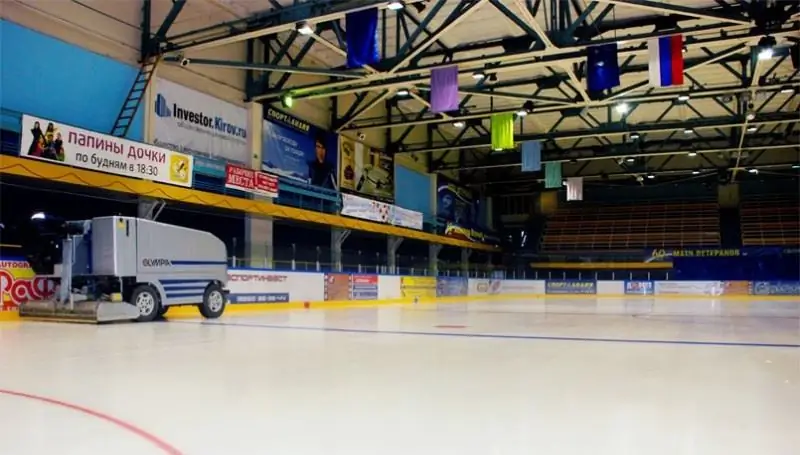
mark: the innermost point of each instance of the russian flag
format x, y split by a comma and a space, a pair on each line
666, 61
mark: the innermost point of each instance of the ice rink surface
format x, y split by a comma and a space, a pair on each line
555, 376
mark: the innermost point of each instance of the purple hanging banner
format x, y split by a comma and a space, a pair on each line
444, 89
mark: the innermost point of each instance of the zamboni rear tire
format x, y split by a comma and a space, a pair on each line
213, 302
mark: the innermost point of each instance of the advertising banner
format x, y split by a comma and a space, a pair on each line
688, 288
455, 203
365, 209
639, 287
662, 254
775, 288
337, 286
363, 287
470, 235
418, 286
406, 218
211, 167
298, 150
18, 284
451, 286
484, 286
518, 287
62, 144
194, 123
570, 287
736, 288
267, 286
366, 170
251, 181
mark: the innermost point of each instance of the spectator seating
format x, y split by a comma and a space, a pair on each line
771, 221
633, 226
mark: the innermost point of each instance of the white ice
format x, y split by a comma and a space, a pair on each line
555, 376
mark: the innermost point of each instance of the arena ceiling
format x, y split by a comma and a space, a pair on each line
735, 114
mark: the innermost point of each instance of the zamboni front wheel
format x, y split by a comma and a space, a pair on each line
213, 302
145, 299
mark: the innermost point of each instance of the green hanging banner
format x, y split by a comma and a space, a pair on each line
503, 131
552, 175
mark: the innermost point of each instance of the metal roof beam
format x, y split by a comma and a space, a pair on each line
661, 7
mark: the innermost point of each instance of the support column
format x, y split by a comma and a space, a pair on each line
433, 258
392, 244
338, 236
259, 247
149, 209
465, 254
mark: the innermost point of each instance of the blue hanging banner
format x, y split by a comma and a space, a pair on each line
531, 156
362, 38
602, 67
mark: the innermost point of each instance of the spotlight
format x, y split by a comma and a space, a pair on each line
766, 47
402, 92
651, 176
394, 6
630, 159
635, 136
688, 131
753, 170
695, 172
787, 90
752, 129
683, 98
563, 183
287, 101
685, 49
304, 28
458, 124
622, 108
479, 75
796, 166
692, 154
751, 116
522, 113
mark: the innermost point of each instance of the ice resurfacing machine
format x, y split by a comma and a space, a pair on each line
122, 268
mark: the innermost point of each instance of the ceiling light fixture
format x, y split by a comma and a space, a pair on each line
688, 131
651, 176
402, 92
458, 124
304, 28
683, 98
751, 116
394, 6
752, 129
766, 47
622, 108
753, 170
635, 136
479, 75
692, 154
695, 172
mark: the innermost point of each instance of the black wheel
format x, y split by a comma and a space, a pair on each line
162, 310
213, 302
146, 300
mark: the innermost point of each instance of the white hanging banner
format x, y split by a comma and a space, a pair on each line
195, 123
365, 209
63, 144
575, 189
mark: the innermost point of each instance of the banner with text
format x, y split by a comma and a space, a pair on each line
451, 286
418, 286
455, 203
18, 284
192, 122
381, 212
63, 144
211, 167
775, 288
363, 287
470, 235
298, 150
366, 170
688, 288
639, 287
267, 286
406, 218
570, 287
251, 181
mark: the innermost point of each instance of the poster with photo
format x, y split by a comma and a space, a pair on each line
366, 170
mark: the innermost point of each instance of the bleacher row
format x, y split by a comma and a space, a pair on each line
694, 224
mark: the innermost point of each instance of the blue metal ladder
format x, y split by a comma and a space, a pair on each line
135, 96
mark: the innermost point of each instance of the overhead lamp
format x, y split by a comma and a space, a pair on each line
695, 172
683, 98
630, 159
692, 153
752, 129
458, 124
651, 176
635, 136
38, 216
751, 116
622, 108
287, 101
688, 131
394, 6
498, 149
402, 92
522, 113
685, 49
304, 28
753, 170
796, 166
766, 47
787, 90
479, 75
563, 183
